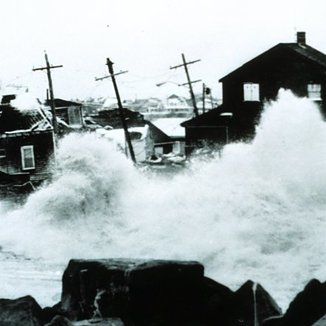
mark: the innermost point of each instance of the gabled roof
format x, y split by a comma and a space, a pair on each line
307, 52
181, 98
224, 115
171, 126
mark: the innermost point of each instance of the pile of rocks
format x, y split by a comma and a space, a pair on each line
120, 292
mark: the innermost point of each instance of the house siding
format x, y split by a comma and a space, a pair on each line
43, 146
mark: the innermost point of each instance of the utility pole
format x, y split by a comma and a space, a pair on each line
185, 65
48, 70
204, 92
109, 63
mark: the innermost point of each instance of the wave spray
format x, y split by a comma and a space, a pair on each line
257, 211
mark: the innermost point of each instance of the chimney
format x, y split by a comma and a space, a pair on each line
301, 38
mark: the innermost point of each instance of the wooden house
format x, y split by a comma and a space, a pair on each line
294, 66
70, 113
26, 142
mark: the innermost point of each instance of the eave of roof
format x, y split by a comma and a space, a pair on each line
58, 102
208, 118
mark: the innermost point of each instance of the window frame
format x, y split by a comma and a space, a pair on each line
254, 93
312, 91
23, 157
73, 113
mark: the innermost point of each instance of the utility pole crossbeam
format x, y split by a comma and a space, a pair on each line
109, 76
48, 70
185, 65
192, 82
109, 63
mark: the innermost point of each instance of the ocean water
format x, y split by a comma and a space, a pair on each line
255, 211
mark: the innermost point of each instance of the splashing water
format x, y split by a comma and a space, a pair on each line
257, 211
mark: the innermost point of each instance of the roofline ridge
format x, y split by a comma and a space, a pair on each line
287, 45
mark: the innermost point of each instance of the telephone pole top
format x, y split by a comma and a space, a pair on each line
112, 75
48, 70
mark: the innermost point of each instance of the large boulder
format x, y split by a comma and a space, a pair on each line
308, 306
251, 304
23, 311
216, 300
59, 321
136, 289
99, 322
273, 321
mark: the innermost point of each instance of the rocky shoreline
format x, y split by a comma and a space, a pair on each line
128, 292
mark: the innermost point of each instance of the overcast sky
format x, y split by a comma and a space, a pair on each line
145, 37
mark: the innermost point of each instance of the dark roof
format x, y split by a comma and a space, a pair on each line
210, 118
58, 102
112, 118
12, 119
305, 51
308, 52
224, 115
158, 135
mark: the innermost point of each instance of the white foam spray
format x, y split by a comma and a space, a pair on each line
255, 212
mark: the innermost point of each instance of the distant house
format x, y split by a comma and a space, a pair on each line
150, 108
294, 66
155, 108
26, 141
177, 106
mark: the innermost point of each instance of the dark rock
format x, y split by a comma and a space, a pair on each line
273, 321
48, 313
100, 322
308, 306
59, 321
23, 311
215, 301
252, 304
132, 289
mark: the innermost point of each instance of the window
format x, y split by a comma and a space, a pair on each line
314, 91
74, 116
250, 92
27, 155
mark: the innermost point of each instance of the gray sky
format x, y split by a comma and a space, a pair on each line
145, 37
